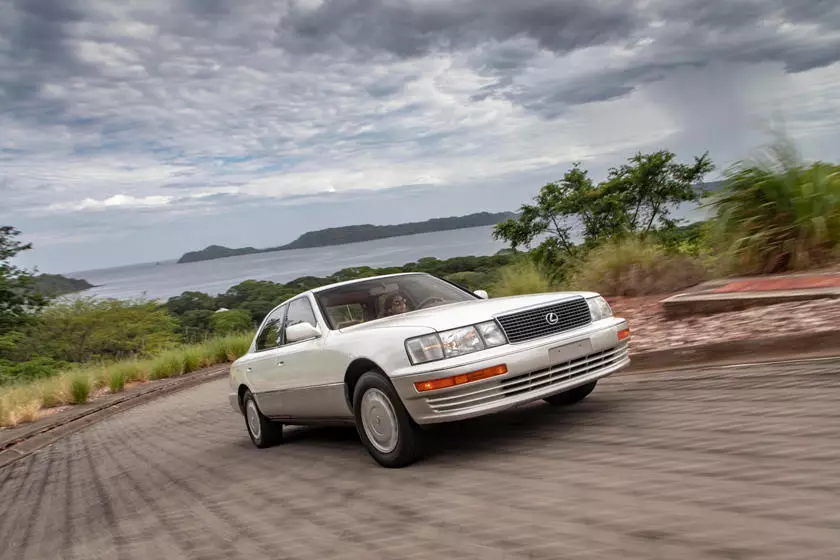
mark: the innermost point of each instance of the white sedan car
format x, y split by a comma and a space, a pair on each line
393, 353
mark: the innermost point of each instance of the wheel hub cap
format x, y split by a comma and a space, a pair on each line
379, 420
253, 418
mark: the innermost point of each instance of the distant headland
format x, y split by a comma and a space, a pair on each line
354, 234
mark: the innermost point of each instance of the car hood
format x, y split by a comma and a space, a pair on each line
464, 313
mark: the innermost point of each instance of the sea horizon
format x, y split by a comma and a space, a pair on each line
160, 280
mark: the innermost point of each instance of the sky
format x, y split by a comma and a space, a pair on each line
136, 130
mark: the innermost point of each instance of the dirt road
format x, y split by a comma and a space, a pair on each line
735, 463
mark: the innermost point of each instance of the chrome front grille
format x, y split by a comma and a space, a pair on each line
546, 320
484, 393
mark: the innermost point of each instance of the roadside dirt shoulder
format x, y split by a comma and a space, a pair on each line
653, 331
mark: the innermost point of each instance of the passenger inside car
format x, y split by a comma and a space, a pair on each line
395, 304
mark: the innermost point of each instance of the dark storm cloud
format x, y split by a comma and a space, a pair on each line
36, 48
210, 8
412, 29
162, 112
505, 38
39, 30
750, 13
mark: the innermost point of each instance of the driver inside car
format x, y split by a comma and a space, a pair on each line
395, 304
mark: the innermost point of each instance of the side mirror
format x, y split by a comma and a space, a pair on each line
301, 331
482, 294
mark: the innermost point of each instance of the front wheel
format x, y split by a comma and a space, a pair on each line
263, 432
572, 396
384, 426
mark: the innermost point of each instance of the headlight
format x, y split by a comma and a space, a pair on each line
491, 333
454, 342
460, 341
599, 308
425, 348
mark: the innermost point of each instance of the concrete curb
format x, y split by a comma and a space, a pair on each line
39, 435
689, 304
753, 351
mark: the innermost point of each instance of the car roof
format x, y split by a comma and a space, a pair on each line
358, 280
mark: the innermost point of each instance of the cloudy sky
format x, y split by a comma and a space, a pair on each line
135, 130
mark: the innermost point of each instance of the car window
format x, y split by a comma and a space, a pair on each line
300, 311
375, 298
271, 334
346, 314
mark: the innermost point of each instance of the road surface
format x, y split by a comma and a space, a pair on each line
736, 463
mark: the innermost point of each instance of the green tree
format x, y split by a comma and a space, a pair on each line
231, 321
86, 328
190, 301
18, 296
646, 189
195, 324
635, 198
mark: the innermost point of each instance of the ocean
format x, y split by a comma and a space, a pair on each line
167, 278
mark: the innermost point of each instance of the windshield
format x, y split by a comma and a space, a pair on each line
368, 300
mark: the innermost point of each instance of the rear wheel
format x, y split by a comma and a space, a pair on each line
263, 431
387, 431
572, 396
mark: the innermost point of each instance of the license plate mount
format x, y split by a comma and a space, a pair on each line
567, 352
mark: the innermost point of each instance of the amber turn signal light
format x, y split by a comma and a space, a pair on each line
623, 334
444, 382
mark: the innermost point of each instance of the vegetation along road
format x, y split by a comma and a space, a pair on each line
719, 463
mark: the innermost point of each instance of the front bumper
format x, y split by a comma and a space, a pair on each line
589, 353
233, 400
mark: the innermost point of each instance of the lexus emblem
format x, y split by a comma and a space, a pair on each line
552, 318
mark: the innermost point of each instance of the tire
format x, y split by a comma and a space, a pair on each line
391, 437
571, 396
264, 432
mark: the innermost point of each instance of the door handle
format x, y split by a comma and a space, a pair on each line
281, 363
248, 370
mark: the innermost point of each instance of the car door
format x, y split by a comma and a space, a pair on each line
261, 368
314, 391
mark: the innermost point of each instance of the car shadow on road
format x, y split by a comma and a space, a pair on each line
503, 432
511, 430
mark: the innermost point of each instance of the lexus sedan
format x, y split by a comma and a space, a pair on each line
394, 353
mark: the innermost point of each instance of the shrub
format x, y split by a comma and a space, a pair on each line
777, 214
80, 385
31, 370
635, 267
521, 278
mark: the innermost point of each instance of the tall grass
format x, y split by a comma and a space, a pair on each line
228, 348
130, 370
80, 386
54, 392
20, 404
635, 266
521, 278
116, 380
23, 401
777, 213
